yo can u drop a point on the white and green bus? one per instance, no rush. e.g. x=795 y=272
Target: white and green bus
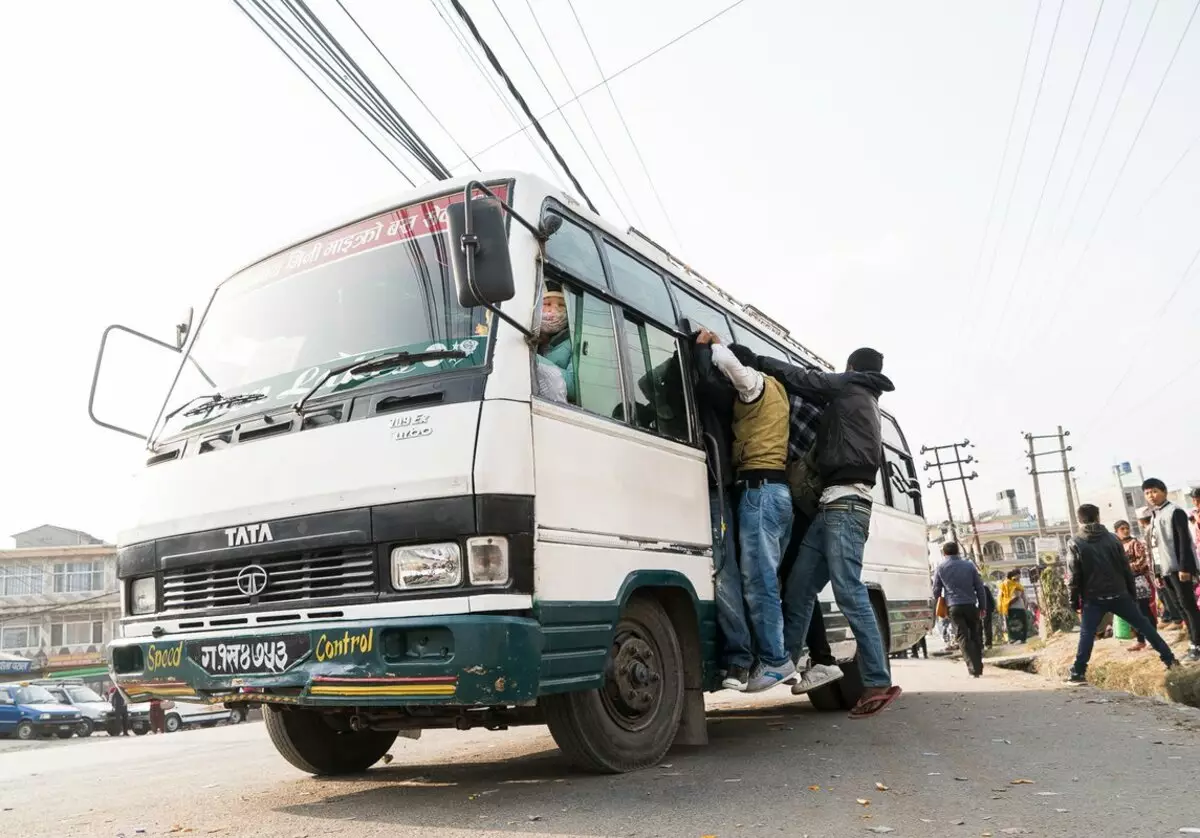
x=357 y=512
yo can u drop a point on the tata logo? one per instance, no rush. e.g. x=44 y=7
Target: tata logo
x=252 y=580
x=249 y=534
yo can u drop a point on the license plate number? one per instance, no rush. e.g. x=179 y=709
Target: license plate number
x=249 y=657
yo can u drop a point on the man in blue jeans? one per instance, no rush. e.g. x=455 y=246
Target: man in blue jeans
x=1102 y=583
x=715 y=397
x=761 y=415
x=849 y=455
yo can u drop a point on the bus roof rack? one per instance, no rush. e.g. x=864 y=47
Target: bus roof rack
x=750 y=311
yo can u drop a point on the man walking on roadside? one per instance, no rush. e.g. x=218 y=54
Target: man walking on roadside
x=121 y=709
x=764 y=514
x=1102 y=583
x=958 y=580
x=849 y=453
x=1174 y=555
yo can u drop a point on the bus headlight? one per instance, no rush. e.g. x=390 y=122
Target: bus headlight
x=426 y=566
x=487 y=560
x=142 y=594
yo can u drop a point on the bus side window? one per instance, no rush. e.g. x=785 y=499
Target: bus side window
x=574 y=250
x=899 y=473
x=642 y=286
x=594 y=365
x=758 y=344
x=659 y=403
x=701 y=315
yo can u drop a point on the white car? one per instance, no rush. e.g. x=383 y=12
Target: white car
x=184 y=714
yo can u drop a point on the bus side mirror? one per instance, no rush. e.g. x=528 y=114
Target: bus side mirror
x=479 y=258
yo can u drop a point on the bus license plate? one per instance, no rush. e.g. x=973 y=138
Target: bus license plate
x=249 y=657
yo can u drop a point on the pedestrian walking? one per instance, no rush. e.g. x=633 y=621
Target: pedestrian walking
x=158 y=717
x=1143 y=581
x=1102 y=583
x=120 y=706
x=1013 y=605
x=958 y=580
x=761 y=415
x=849 y=455
x=988 y=616
x=1174 y=555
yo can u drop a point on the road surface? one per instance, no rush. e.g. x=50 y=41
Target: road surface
x=948 y=752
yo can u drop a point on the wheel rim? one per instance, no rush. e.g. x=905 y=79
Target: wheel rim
x=172 y=725
x=25 y=732
x=633 y=690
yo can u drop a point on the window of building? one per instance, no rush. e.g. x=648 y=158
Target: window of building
x=753 y=340
x=76 y=577
x=659 y=404
x=20 y=580
x=900 y=474
x=20 y=637
x=574 y=250
x=702 y=315
x=640 y=285
x=76 y=632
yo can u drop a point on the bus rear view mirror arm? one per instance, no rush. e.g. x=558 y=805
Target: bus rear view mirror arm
x=479 y=257
x=96 y=376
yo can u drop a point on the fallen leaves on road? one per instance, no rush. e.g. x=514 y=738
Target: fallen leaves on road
x=881 y=787
x=814 y=788
x=880 y=830
x=862 y=801
x=1021 y=783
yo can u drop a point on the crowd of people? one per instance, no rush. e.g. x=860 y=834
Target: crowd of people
x=1148 y=582
x=794 y=454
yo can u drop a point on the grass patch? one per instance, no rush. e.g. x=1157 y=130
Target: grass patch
x=1114 y=667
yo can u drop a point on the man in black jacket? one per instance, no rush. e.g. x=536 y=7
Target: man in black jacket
x=715 y=397
x=849 y=453
x=1102 y=583
x=1174 y=556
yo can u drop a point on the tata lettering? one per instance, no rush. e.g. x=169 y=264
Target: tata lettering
x=249 y=534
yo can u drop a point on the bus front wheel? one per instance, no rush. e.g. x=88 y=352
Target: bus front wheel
x=309 y=742
x=631 y=721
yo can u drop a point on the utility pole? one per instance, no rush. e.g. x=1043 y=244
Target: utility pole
x=1065 y=471
x=963 y=477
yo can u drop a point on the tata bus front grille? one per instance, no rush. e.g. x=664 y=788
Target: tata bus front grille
x=289 y=578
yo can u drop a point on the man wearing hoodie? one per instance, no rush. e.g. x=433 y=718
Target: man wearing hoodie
x=849 y=453
x=1102 y=583
x=1174 y=556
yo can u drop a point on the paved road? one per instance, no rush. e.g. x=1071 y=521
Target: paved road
x=948 y=752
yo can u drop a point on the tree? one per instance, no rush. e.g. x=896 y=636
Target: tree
x=1056 y=605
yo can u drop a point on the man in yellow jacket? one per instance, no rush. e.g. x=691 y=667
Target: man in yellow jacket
x=1013 y=606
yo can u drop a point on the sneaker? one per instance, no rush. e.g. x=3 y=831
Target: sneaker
x=817 y=675
x=1076 y=678
x=737 y=678
x=764 y=677
x=796 y=663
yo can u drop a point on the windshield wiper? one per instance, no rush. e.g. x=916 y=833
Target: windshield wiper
x=379 y=363
x=225 y=401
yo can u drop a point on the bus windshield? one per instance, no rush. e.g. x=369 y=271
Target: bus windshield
x=273 y=330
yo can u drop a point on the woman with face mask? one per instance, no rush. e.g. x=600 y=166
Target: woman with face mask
x=554 y=349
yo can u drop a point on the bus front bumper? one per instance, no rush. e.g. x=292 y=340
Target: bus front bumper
x=460 y=659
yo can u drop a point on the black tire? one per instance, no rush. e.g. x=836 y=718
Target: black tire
x=173 y=724
x=826 y=699
x=850 y=688
x=26 y=731
x=237 y=716
x=308 y=742
x=86 y=729
x=631 y=721
x=64 y=734
x=140 y=731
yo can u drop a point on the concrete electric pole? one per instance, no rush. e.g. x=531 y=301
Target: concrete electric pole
x=963 y=477
x=1065 y=471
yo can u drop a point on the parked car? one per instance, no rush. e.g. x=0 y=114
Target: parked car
x=180 y=714
x=97 y=713
x=28 y=710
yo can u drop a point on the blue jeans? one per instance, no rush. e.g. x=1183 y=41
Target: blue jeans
x=764 y=526
x=731 y=607
x=833 y=552
x=1126 y=608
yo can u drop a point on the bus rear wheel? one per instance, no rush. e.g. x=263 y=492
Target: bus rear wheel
x=306 y=740
x=631 y=721
x=845 y=693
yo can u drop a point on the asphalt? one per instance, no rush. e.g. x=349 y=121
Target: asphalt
x=1008 y=754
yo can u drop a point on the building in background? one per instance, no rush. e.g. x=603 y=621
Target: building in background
x=59 y=605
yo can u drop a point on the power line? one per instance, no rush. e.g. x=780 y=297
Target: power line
x=1012 y=121
x=620 y=115
x=516 y=94
x=567 y=122
x=617 y=74
x=399 y=75
x=586 y=117
x=1192 y=146
x=321 y=89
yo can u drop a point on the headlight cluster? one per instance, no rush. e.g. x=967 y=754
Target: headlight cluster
x=143 y=596
x=441 y=565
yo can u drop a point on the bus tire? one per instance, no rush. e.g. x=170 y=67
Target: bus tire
x=827 y=699
x=309 y=743
x=850 y=687
x=631 y=721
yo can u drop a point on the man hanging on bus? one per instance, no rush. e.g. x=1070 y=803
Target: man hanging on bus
x=760 y=449
x=849 y=453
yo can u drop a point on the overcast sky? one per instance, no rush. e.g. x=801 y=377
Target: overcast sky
x=833 y=164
